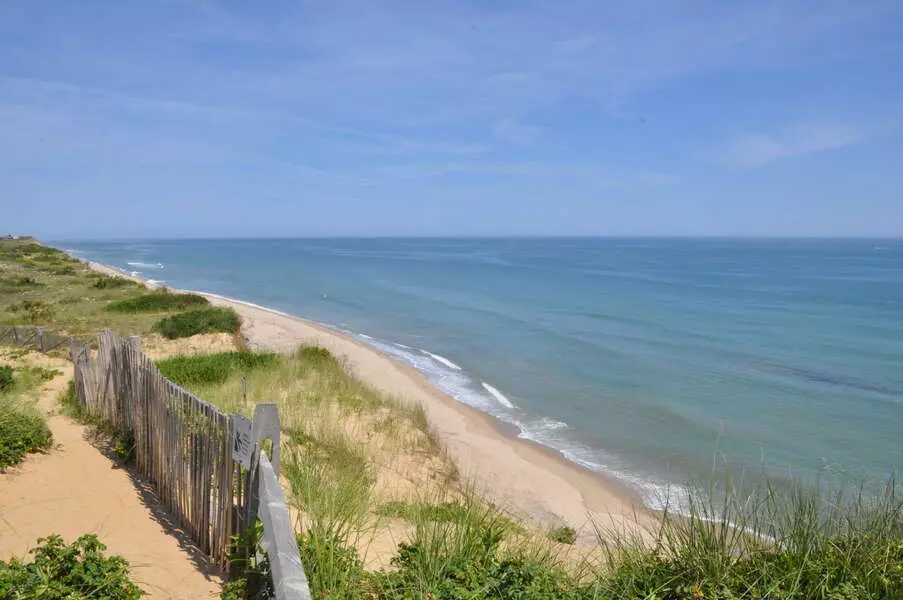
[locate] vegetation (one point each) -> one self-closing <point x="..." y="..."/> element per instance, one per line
<point x="76" y="571"/>
<point x="44" y="286"/>
<point x="194" y="322"/>
<point x="6" y="378"/>
<point x="23" y="429"/>
<point x="31" y="311"/>
<point x="802" y="545"/>
<point x="157" y="301"/>
<point x="207" y="369"/>
<point x="563" y="535"/>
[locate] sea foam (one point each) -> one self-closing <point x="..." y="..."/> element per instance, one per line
<point x="498" y="395"/>
<point x="441" y="359"/>
<point x="144" y="265"/>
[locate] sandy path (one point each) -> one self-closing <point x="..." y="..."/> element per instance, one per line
<point x="75" y="489"/>
<point x="523" y="477"/>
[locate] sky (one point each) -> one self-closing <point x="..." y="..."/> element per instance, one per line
<point x="201" y="118"/>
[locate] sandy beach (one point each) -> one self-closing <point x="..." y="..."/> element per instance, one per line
<point x="523" y="477"/>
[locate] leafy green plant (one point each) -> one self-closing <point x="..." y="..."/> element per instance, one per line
<point x="252" y="579"/>
<point x="6" y="378"/>
<point x="76" y="571"/>
<point x="204" y="320"/>
<point x="23" y="429"/>
<point x="203" y="369"/>
<point x="158" y="301"/>
<point x="563" y="535"/>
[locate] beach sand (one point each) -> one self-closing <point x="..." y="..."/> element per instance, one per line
<point x="525" y="478"/>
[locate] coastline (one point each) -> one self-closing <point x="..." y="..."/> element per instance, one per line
<point x="525" y="477"/>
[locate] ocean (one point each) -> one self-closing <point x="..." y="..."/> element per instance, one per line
<point x="653" y="361"/>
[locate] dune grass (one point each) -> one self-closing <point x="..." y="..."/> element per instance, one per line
<point x="156" y="301"/>
<point x="43" y="286"/>
<point x="803" y="544"/>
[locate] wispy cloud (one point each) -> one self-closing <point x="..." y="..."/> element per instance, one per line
<point x="757" y="149"/>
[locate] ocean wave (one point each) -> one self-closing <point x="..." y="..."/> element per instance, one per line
<point x="144" y="265"/>
<point x="441" y="359"/>
<point x="155" y="281"/>
<point x="498" y="395"/>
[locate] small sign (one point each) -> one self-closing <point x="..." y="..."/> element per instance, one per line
<point x="241" y="440"/>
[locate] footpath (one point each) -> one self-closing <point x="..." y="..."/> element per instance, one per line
<point x="76" y="488"/>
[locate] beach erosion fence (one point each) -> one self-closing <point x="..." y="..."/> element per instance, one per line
<point x="32" y="337"/>
<point x="206" y="467"/>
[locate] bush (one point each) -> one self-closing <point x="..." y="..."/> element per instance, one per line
<point x="104" y="282"/>
<point x="193" y="322"/>
<point x="22" y="432"/>
<point x="206" y="369"/>
<point x="32" y="311"/>
<point x="78" y="571"/>
<point x="315" y="356"/>
<point x="6" y="378"/>
<point x="158" y="302"/>
<point x="563" y="535"/>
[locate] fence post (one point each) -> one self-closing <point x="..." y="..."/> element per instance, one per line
<point x="40" y="335"/>
<point x="16" y="334"/>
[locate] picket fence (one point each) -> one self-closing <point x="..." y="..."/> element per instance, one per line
<point x="183" y="448"/>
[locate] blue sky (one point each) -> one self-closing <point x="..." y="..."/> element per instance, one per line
<point x="331" y="117"/>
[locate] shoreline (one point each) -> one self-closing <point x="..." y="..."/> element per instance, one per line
<point x="525" y="477"/>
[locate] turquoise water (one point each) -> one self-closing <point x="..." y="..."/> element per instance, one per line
<point x="643" y="359"/>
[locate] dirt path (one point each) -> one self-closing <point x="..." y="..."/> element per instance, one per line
<point x="76" y="489"/>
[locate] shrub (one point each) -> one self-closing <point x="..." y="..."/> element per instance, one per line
<point x="6" y="378"/>
<point x="315" y="356"/>
<point x="193" y="322"/>
<point x="158" y="302"/>
<point x="104" y="282"/>
<point x="32" y="311"/>
<point x="205" y="369"/>
<point x="76" y="571"/>
<point x="563" y="535"/>
<point x="22" y="431"/>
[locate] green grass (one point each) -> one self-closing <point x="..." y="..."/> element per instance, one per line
<point x="43" y="286"/>
<point x="208" y="369"/>
<point x="157" y="301"/>
<point x="194" y="322"/>
<point x="805" y="544"/>
<point x="23" y="427"/>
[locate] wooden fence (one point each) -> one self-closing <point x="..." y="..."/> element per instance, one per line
<point x="184" y="449"/>
<point x="33" y="337"/>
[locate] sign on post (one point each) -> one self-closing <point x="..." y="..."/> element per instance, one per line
<point x="241" y="440"/>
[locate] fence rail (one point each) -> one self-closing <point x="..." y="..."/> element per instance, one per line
<point x="34" y="337"/>
<point x="183" y="447"/>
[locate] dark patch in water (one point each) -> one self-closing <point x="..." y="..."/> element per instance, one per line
<point x="840" y="381"/>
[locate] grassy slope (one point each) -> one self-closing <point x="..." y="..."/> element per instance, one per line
<point x="70" y="298"/>
<point x="44" y="286"/>
<point x="344" y="440"/>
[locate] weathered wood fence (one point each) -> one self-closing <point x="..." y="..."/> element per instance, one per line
<point x="33" y="337"/>
<point x="183" y="448"/>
